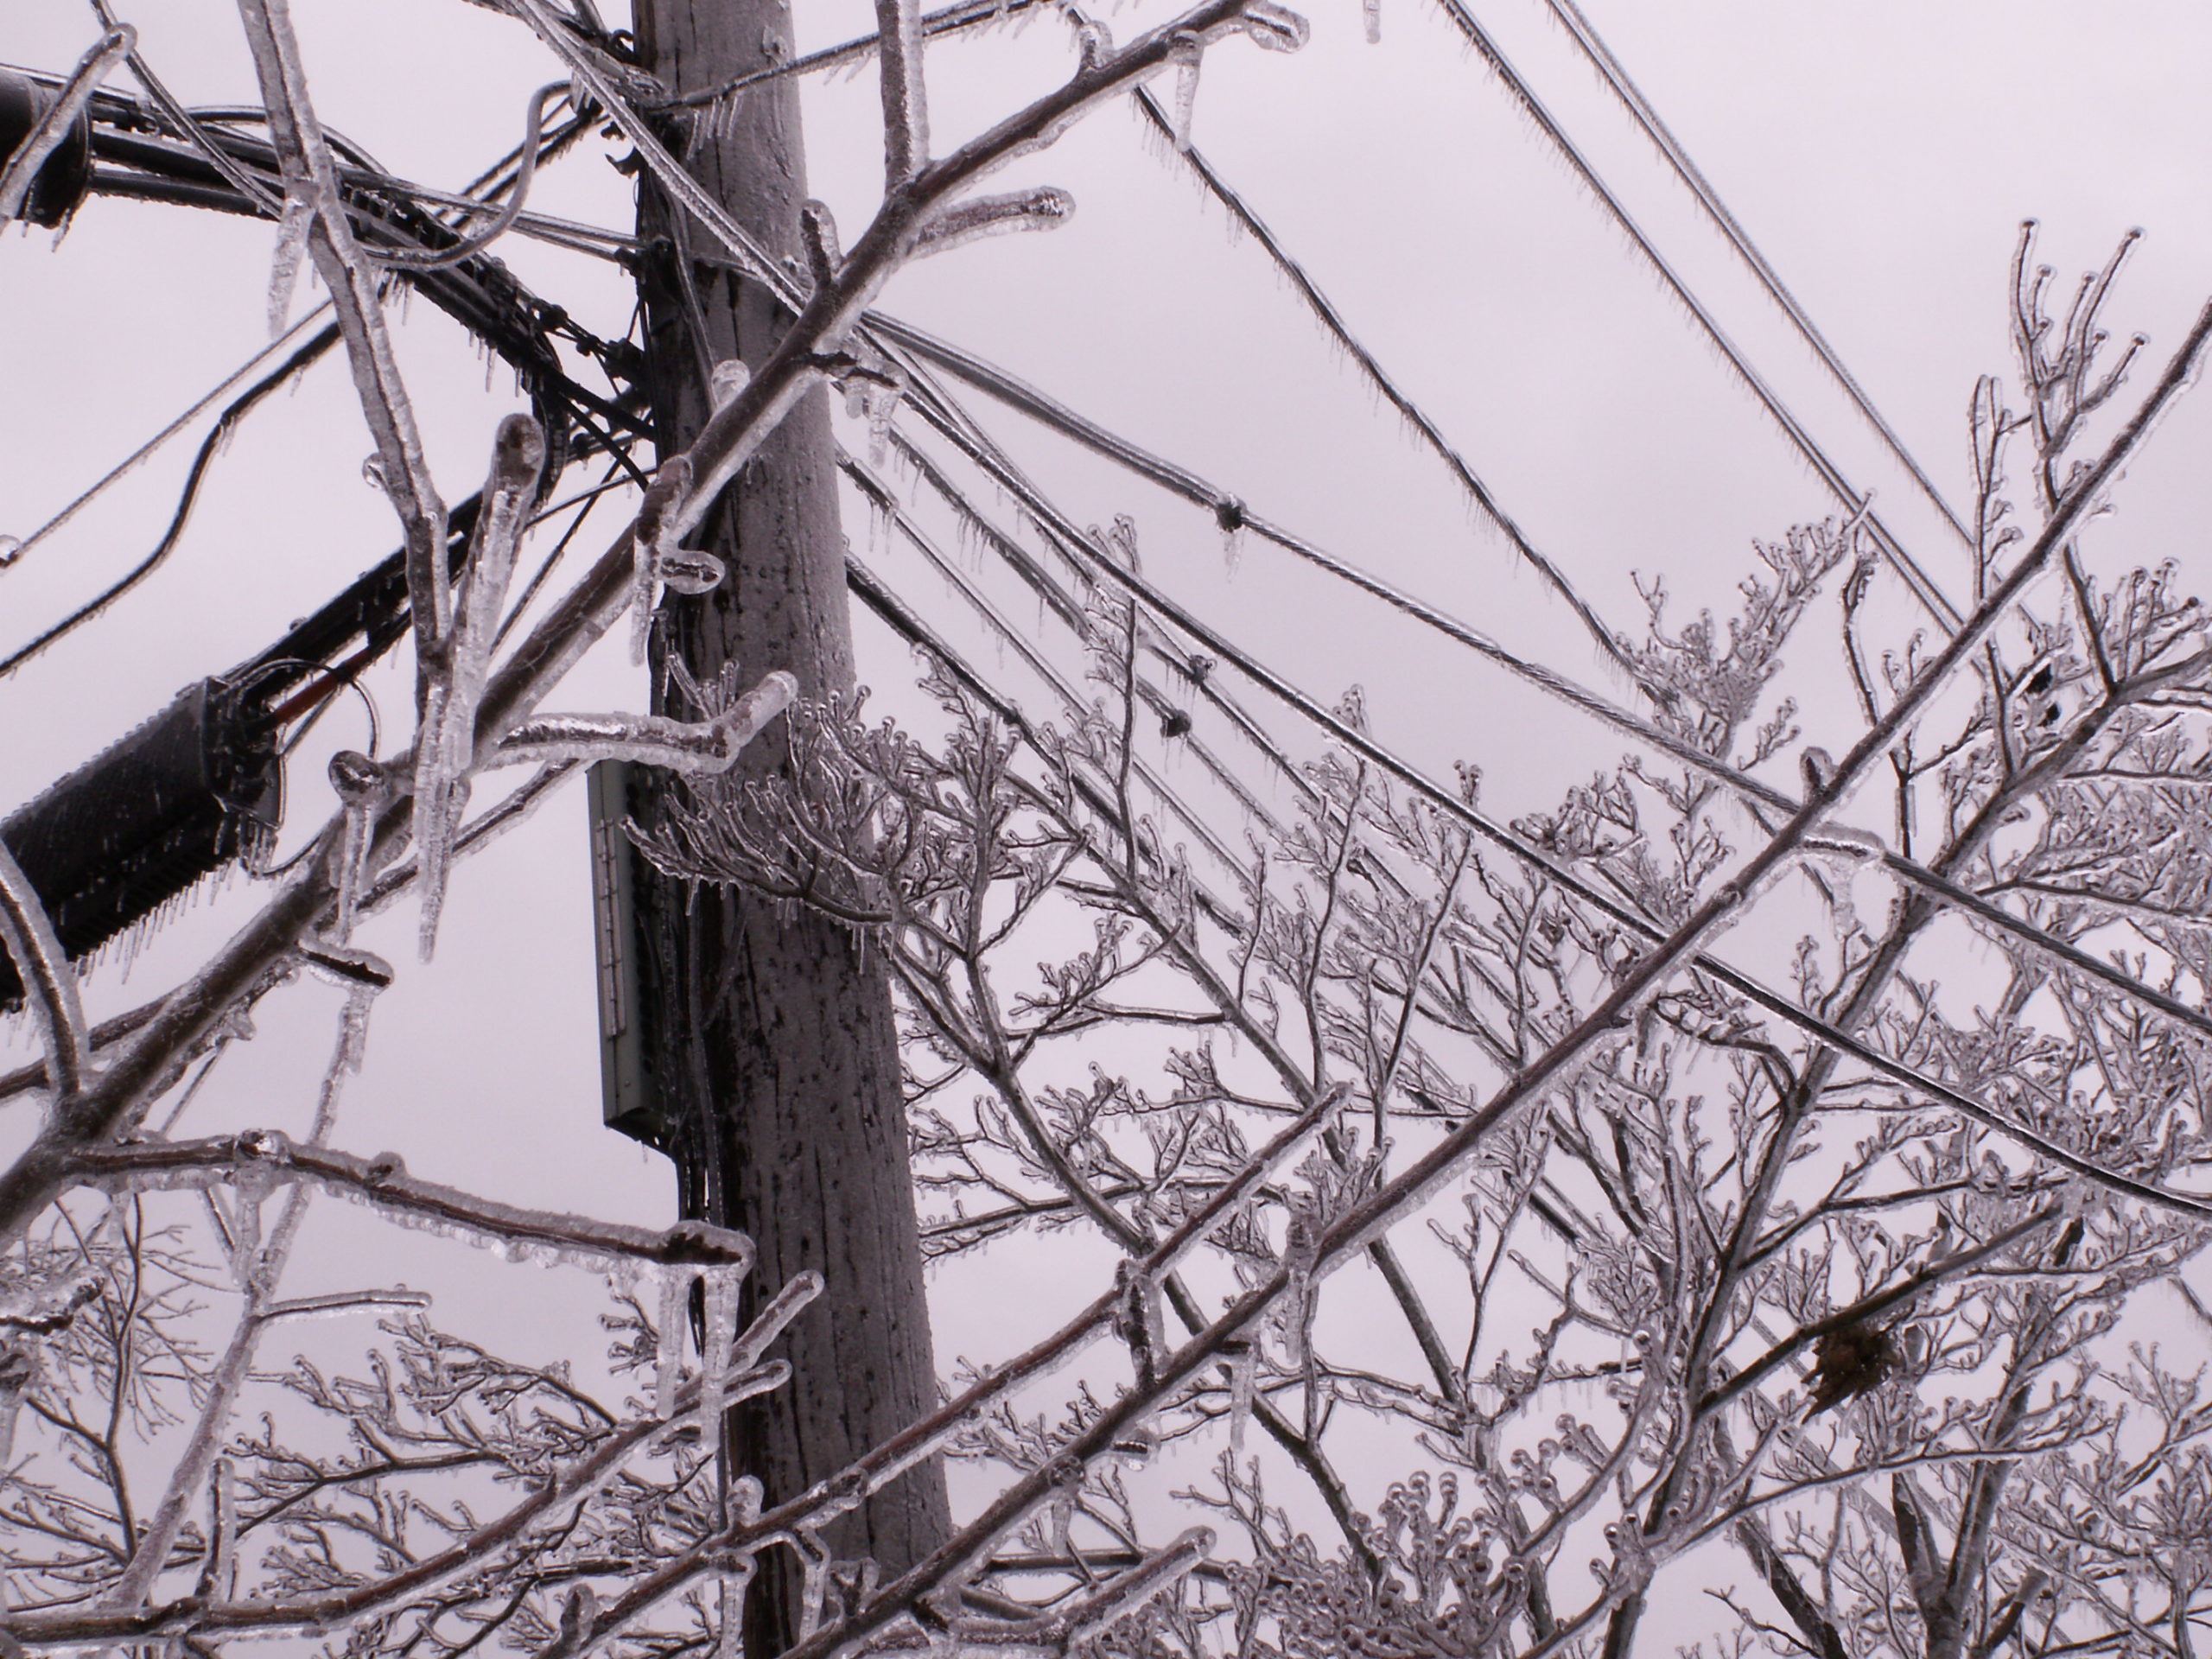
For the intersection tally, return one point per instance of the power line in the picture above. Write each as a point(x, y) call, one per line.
point(1632, 96)
point(1923, 587)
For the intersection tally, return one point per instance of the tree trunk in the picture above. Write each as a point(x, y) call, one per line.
point(771, 1037)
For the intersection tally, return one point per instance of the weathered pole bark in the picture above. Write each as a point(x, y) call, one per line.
point(771, 1037)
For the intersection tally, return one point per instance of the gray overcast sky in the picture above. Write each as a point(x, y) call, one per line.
point(1882, 152)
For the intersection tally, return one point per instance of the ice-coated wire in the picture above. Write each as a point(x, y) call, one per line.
point(1040, 407)
point(953, 423)
point(903, 621)
point(187, 128)
point(1042, 666)
point(17, 550)
point(1332, 320)
point(1917, 579)
point(1624, 88)
point(1453, 806)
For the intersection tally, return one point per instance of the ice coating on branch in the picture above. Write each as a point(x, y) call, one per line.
point(1100, 1611)
point(1140, 1321)
point(703, 745)
point(10, 548)
point(1185, 53)
point(768, 1323)
point(668, 1368)
point(1301, 1240)
point(455, 675)
point(715, 1335)
point(285, 265)
point(1043, 208)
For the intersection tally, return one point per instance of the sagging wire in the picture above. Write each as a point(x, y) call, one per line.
point(1332, 320)
point(210, 447)
point(11, 553)
point(503, 213)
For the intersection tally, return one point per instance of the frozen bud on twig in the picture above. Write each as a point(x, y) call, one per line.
point(689, 570)
point(703, 1244)
point(728, 379)
point(819, 232)
point(1094, 42)
point(358, 781)
point(1043, 208)
point(1276, 28)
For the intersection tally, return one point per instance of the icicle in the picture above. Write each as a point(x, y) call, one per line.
point(1185, 53)
point(1238, 1352)
point(664, 497)
point(1228, 513)
point(882, 405)
point(720, 1329)
point(675, 1285)
point(454, 683)
point(1371, 17)
point(731, 1582)
point(10, 548)
point(1063, 1520)
point(284, 269)
point(361, 787)
point(814, 1584)
point(373, 474)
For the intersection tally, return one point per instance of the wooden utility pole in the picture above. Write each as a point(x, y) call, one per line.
point(770, 1037)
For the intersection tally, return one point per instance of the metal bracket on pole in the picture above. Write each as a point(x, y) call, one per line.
point(628, 1099)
